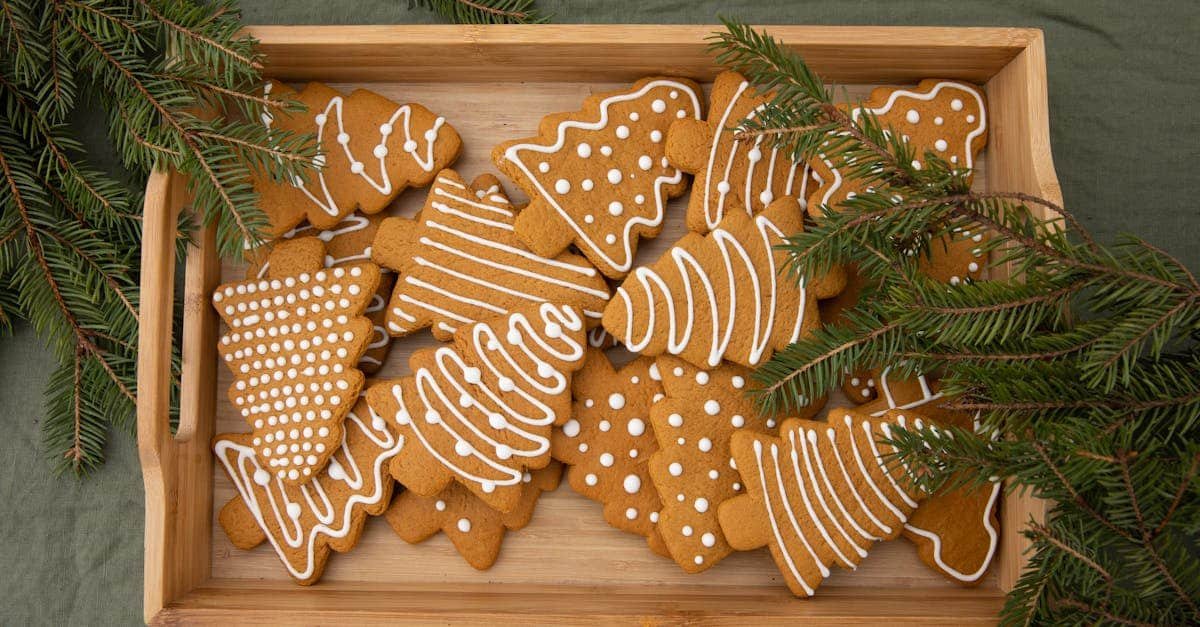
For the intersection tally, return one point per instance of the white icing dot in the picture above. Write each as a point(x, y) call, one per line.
point(701, 505)
point(610, 239)
point(653, 517)
point(973, 267)
point(916, 164)
point(440, 505)
point(682, 113)
point(755, 155)
point(738, 421)
point(705, 445)
point(562, 186)
point(543, 167)
point(766, 197)
point(385, 129)
point(293, 509)
point(590, 479)
point(614, 176)
point(464, 525)
point(261, 477)
point(616, 400)
point(606, 150)
point(587, 185)
point(658, 106)
point(708, 539)
point(343, 138)
point(632, 484)
point(675, 420)
point(686, 530)
point(497, 421)
point(463, 448)
point(912, 116)
point(410, 146)
point(675, 469)
point(503, 451)
point(713, 474)
point(589, 218)
point(605, 425)
point(584, 150)
point(723, 187)
point(473, 375)
point(970, 119)
point(639, 199)
point(678, 371)
point(636, 427)
point(571, 428)
point(633, 115)
point(645, 162)
point(615, 207)
point(656, 136)
point(938, 120)
point(712, 407)
point(631, 513)
point(941, 145)
point(381, 151)
point(606, 459)
point(622, 132)
point(954, 280)
point(956, 104)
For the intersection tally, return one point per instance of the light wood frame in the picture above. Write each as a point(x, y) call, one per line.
point(177, 468)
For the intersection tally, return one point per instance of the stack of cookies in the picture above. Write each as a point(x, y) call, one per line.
point(559, 352)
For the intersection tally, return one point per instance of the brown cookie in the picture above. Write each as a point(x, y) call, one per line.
point(475, 530)
point(599, 177)
point(371, 149)
point(693, 470)
point(819, 494)
point(481, 411)
point(608, 441)
point(721, 296)
point(292, 345)
point(459, 262)
point(732, 174)
point(303, 522)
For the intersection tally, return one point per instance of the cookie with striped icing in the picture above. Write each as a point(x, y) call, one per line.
point(599, 178)
point(371, 149)
point(460, 261)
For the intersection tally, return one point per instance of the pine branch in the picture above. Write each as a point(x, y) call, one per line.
point(483, 11)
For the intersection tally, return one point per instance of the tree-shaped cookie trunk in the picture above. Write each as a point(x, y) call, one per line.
point(481, 411)
point(820, 494)
point(475, 529)
point(371, 150)
point(732, 174)
point(608, 441)
point(459, 262)
point(693, 470)
point(292, 346)
point(599, 177)
point(303, 522)
point(722, 295)
point(306, 249)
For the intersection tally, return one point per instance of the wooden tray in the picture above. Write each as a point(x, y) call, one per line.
point(495, 83)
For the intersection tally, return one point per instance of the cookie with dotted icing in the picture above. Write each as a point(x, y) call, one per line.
point(459, 262)
point(693, 470)
point(371, 149)
point(722, 295)
point(481, 411)
point(475, 529)
point(608, 440)
point(819, 494)
point(599, 177)
point(732, 174)
point(292, 344)
point(305, 249)
point(304, 522)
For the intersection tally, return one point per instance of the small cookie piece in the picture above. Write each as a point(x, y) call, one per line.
point(693, 470)
point(475, 530)
point(481, 411)
point(459, 262)
point(859, 387)
point(371, 149)
point(303, 522)
point(818, 495)
point(721, 296)
point(732, 174)
point(292, 345)
point(608, 440)
point(599, 177)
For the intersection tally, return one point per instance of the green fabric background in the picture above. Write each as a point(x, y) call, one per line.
point(1124, 86)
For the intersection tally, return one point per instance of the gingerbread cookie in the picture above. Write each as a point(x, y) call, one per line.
point(818, 495)
point(599, 177)
point(732, 174)
point(693, 470)
point(608, 440)
point(292, 345)
point(481, 412)
point(303, 522)
point(475, 530)
point(459, 262)
point(305, 249)
point(371, 149)
point(721, 296)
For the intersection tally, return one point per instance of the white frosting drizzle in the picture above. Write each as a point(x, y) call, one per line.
point(815, 488)
point(787, 557)
point(244, 470)
point(672, 176)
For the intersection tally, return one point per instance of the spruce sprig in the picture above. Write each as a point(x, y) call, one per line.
point(484, 11)
point(1097, 414)
point(178, 86)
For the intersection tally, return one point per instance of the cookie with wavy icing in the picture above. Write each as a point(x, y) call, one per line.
point(722, 296)
point(371, 149)
point(460, 261)
point(475, 529)
point(292, 344)
point(481, 411)
point(599, 178)
point(304, 522)
point(731, 173)
point(306, 249)
point(820, 494)
point(693, 469)
point(608, 441)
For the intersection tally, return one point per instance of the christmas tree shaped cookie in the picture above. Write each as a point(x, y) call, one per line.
point(599, 177)
point(480, 412)
point(820, 494)
point(732, 174)
point(371, 149)
point(721, 296)
point(460, 262)
point(475, 529)
point(608, 441)
point(693, 470)
point(303, 522)
point(292, 346)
